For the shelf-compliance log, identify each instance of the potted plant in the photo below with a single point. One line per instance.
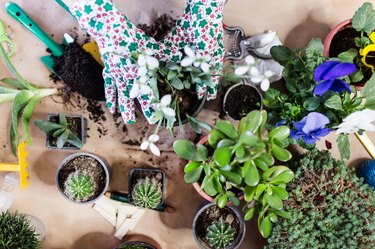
(63, 132)
(17, 232)
(135, 245)
(319, 97)
(329, 207)
(218, 228)
(353, 40)
(146, 187)
(83, 177)
(232, 162)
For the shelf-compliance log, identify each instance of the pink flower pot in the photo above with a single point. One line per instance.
(327, 42)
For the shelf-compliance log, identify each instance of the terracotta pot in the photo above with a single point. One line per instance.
(327, 42)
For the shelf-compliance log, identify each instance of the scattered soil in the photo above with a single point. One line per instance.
(86, 165)
(74, 125)
(161, 26)
(80, 72)
(137, 174)
(212, 214)
(241, 100)
(97, 115)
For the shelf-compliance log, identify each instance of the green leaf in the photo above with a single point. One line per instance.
(280, 192)
(214, 137)
(334, 102)
(217, 184)
(369, 88)
(191, 166)
(13, 82)
(356, 77)
(249, 214)
(12, 138)
(249, 193)
(202, 151)
(4, 89)
(177, 83)
(62, 139)
(75, 141)
(225, 143)
(240, 152)
(222, 201)
(265, 227)
(281, 133)
(282, 54)
(209, 187)
(232, 177)
(278, 175)
(364, 19)
(47, 127)
(235, 201)
(314, 47)
(186, 149)
(222, 156)
(370, 103)
(273, 217)
(261, 164)
(259, 190)
(59, 132)
(312, 103)
(252, 122)
(274, 201)
(26, 116)
(172, 74)
(62, 120)
(248, 138)
(197, 125)
(344, 146)
(227, 128)
(7, 97)
(283, 214)
(193, 175)
(280, 153)
(264, 121)
(348, 56)
(19, 103)
(250, 173)
(267, 158)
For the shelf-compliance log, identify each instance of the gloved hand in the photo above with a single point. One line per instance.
(199, 27)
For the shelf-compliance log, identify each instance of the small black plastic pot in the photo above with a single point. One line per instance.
(81, 132)
(244, 98)
(236, 214)
(141, 173)
(130, 245)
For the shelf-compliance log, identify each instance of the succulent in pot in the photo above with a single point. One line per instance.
(135, 245)
(242, 160)
(83, 177)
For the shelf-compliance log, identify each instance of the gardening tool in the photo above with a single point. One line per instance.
(366, 142)
(5, 39)
(22, 166)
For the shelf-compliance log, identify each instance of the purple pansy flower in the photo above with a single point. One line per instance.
(311, 128)
(328, 74)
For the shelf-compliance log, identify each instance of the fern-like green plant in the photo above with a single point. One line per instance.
(17, 232)
(80, 186)
(220, 234)
(147, 193)
(60, 131)
(24, 95)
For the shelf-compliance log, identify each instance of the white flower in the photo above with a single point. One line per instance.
(199, 61)
(360, 120)
(139, 86)
(150, 143)
(147, 61)
(163, 106)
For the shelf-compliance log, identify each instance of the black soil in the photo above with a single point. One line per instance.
(212, 214)
(137, 174)
(80, 72)
(161, 26)
(87, 165)
(74, 125)
(241, 100)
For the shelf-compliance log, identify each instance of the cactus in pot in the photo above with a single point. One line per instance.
(220, 234)
(80, 185)
(147, 193)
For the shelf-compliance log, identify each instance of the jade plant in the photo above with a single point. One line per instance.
(147, 193)
(220, 234)
(330, 207)
(79, 186)
(242, 159)
(60, 131)
(24, 95)
(17, 232)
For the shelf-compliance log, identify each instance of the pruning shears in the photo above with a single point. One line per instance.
(4, 38)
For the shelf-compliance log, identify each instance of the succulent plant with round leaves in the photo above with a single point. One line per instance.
(147, 193)
(220, 234)
(80, 186)
(243, 158)
(17, 232)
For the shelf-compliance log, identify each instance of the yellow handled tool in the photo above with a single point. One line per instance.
(22, 166)
(366, 142)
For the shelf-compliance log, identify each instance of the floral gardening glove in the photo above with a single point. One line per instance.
(118, 38)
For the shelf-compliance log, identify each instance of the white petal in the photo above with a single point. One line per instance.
(269, 73)
(265, 85)
(166, 100)
(149, 52)
(254, 71)
(153, 138)
(189, 52)
(250, 60)
(205, 67)
(168, 111)
(152, 62)
(196, 63)
(145, 88)
(155, 150)
(134, 91)
(241, 70)
(142, 71)
(141, 60)
(187, 61)
(144, 145)
(143, 80)
(367, 127)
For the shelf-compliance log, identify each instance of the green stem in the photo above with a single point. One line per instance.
(46, 92)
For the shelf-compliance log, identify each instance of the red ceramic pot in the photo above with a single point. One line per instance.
(327, 42)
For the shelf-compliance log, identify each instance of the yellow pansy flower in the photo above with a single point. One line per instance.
(368, 53)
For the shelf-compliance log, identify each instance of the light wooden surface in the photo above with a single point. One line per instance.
(79, 227)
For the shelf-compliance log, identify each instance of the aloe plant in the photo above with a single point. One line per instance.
(24, 95)
(220, 234)
(79, 186)
(147, 193)
(244, 159)
(60, 131)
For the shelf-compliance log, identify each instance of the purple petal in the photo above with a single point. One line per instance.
(295, 134)
(323, 69)
(339, 86)
(309, 139)
(323, 87)
(314, 122)
(322, 133)
(333, 70)
(299, 125)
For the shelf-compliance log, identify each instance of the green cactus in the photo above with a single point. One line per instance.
(147, 193)
(79, 186)
(220, 234)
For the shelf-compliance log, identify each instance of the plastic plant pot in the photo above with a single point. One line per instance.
(61, 176)
(81, 133)
(327, 42)
(240, 228)
(141, 173)
(130, 245)
(240, 99)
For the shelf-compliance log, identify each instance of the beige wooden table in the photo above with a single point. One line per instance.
(79, 227)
